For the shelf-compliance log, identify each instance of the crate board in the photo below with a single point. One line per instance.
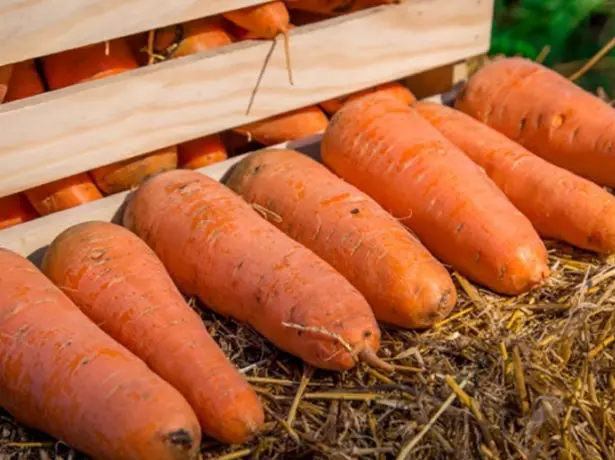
(88, 125)
(35, 28)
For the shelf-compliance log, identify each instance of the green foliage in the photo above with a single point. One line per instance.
(573, 29)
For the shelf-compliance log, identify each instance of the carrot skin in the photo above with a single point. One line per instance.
(25, 81)
(393, 89)
(547, 114)
(196, 36)
(400, 279)
(5, 77)
(243, 267)
(559, 204)
(386, 149)
(63, 194)
(119, 283)
(265, 21)
(201, 152)
(14, 210)
(61, 374)
(286, 126)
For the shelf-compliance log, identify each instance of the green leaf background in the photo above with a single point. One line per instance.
(573, 29)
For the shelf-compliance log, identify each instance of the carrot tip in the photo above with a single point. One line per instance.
(369, 356)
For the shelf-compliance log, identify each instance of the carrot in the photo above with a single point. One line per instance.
(266, 21)
(61, 374)
(559, 204)
(191, 37)
(5, 77)
(14, 210)
(335, 7)
(120, 284)
(63, 194)
(201, 152)
(401, 280)
(25, 81)
(217, 248)
(386, 149)
(124, 175)
(301, 17)
(92, 63)
(286, 126)
(547, 114)
(394, 89)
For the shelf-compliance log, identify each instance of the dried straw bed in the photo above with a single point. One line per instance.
(530, 377)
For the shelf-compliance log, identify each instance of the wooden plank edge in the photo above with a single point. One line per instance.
(38, 28)
(151, 108)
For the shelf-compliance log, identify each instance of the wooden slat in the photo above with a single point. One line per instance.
(88, 125)
(34, 28)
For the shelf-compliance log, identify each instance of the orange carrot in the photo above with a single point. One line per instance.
(559, 204)
(25, 81)
(547, 114)
(286, 126)
(217, 248)
(92, 63)
(301, 17)
(132, 172)
(63, 194)
(386, 149)
(401, 280)
(120, 284)
(5, 76)
(61, 374)
(191, 37)
(265, 21)
(14, 210)
(201, 152)
(394, 89)
(335, 7)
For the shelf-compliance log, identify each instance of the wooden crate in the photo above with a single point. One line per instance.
(81, 127)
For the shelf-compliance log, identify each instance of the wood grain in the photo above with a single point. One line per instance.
(78, 128)
(34, 28)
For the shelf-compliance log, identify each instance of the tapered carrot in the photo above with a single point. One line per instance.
(286, 126)
(201, 152)
(559, 204)
(191, 37)
(63, 194)
(394, 89)
(92, 63)
(217, 248)
(335, 7)
(386, 149)
(401, 280)
(266, 21)
(25, 81)
(120, 284)
(546, 113)
(14, 210)
(5, 76)
(61, 374)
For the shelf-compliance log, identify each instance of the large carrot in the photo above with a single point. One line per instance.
(394, 89)
(63, 194)
(92, 62)
(546, 113)
(401, 280)
(217, 248)
(386, 149)
(120, 284)
(286, 126)
(265, 21)
(14, 210)
(559, 204)
(201, 152)
(61, 374)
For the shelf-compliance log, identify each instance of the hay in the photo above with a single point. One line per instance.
(529, 377)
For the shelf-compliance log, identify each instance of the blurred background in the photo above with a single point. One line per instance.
(563, 34)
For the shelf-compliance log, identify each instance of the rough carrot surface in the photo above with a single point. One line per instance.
(386, 149)
(559, 204)
(191, 37)
(546, 113)
(25, 81)
(120, 284)
(132, 172)
(63, 194)
(61, 374)
(217, 248)
(286, 126)
(393, 89)
(201, 152)
(401, 280)
(14, 210)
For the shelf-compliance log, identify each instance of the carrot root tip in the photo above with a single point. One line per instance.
(369, 357)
